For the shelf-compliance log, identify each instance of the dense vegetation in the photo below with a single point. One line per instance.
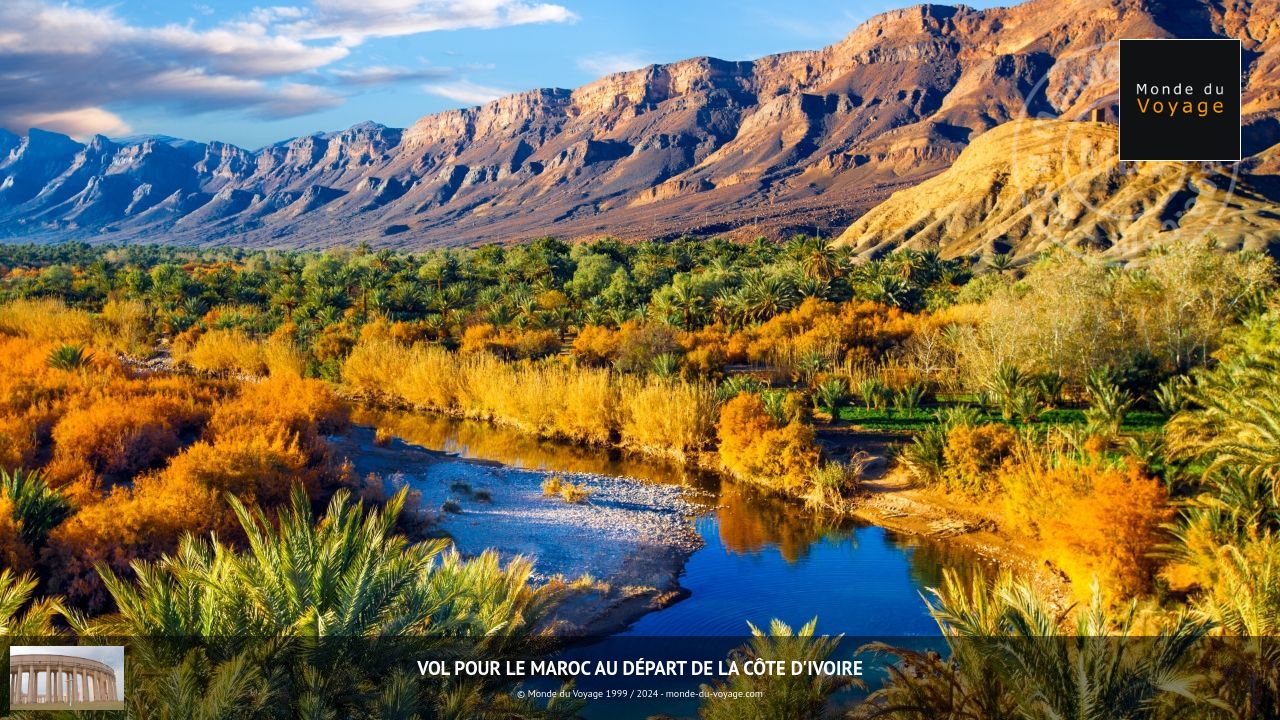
(1118, 422)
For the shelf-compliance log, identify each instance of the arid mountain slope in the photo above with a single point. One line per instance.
(797, 141)
(1029, 185)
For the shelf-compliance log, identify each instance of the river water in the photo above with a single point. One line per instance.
(763, 558)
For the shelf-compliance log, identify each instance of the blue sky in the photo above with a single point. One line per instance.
(252, 73)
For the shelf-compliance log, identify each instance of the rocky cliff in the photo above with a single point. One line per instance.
(1030, 185)
(793, 142)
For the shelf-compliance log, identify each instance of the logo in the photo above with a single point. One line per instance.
(1180, 100)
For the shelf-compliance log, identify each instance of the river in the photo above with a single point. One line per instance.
(761, 558)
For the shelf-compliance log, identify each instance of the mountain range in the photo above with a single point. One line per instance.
(805, 141)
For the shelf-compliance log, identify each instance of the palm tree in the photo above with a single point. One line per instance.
(69, 357)
(819, 259)
(830, 395)
(1243, 602)
(727, 305)
(36, 506)
(794, 697)
(318, 614)
(1010, 658)
(766, 295)
(909, 264)
(1108, 402)
(1001, 262)
(681, 301)
(1004, 388)
(1236, 421)
(20, 615)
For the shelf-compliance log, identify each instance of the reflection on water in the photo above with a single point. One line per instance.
(764, 557)
(748, 521)
(470, 439)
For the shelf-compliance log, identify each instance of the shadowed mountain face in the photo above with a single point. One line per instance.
(801, 141)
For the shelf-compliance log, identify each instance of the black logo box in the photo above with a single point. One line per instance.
(1185, 63)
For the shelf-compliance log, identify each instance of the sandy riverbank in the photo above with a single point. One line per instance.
(631, 537)
(888, 499)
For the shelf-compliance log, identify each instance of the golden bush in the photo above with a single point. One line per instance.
(19, 437)
(298, 408)
(14, 553)
(128, 524)
(124, 326)
(45, 320)
(114, 438)
(595, 345)
(974, 452)
(667, 418)
(481, 337)
(1112, 532)
(1034, 493)
(509, 343)
(224, 351)
(282, 357)
(255, 466)
(589, 406)
(753, 447)
(544, 398)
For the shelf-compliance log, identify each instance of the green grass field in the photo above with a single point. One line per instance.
(892, 420)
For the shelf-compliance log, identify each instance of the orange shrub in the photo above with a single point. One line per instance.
(411, 332)
(595, 346)
(974, 452)
(127, 525)
(45, 320)
(852, 331)
(754, 448)
(705, 361)
(481, 337)
(666, 418)
(639, 344)
(114, 438)
(27, 381)
(1111, 532)
(224, 351)
(534, 344)
(255, 466)
(302, 408)
(743, 419)
(706, 351)
(509, 343)
(258, 444)
(334, 342)
(20, 437)
(737, 347)
(1038, 492)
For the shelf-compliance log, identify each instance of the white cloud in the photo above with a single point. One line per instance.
(78, 66)
(72, 67)
(355, 20)
(465, 91)
(384, 75)
(80, 123)
(609, 63)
